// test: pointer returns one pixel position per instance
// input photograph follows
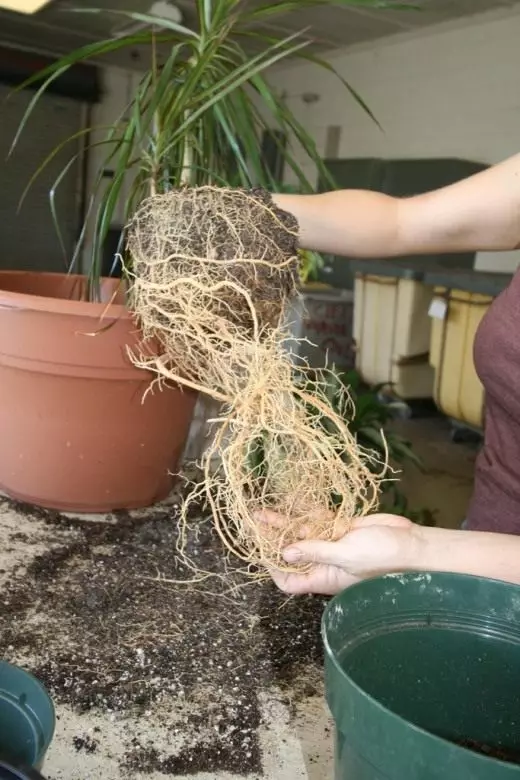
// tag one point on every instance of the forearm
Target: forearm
(476, 214)
(354, 223)
(492, 555)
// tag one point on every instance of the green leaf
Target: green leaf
(50, 157)
(52, 203)
(236, 79)
(325, 65)
(49, 74)
(322, 63)
(209, 100)
(270, 10)
(135, 16)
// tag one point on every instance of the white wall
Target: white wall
(447, 91)
(451, 91)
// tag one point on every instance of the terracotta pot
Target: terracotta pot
(74, 431)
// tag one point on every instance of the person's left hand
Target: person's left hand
(376, 544)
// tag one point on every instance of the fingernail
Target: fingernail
(292, 554)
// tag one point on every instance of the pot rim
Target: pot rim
(386, 715)
(21, 301)
(20, 773)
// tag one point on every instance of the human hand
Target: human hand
(376, 544)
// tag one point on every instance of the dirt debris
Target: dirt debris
(85, 743)
(93, 617)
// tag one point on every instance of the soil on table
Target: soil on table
(94, 619)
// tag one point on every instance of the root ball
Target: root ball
(214, 270)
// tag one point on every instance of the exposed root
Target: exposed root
(214, 270)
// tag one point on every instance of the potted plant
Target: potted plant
(76, 433)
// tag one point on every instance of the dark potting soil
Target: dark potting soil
(107, 635)
(85, 743)
(259, 229)
(499, 753)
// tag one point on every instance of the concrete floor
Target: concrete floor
(446, 486)
(299, 743)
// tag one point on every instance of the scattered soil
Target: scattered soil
(86, 744)
(93, 618)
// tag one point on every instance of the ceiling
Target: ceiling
(54, 30)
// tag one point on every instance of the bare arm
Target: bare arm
(478, 213)
(467, 552)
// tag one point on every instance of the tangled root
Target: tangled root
(214, 270)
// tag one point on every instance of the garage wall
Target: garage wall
(118, 87)
(28, 239)
(451, 92)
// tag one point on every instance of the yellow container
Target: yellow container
(458, 391)
(392, 329)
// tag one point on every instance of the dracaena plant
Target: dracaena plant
(199, 110)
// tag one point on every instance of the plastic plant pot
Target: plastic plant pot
(422, 678)
(8, 772)
(27, 721)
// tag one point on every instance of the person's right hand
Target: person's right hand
(377, 544)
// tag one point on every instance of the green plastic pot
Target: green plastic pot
(418, 669)
(9, 772)
(27, 722)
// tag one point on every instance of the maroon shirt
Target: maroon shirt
(495, 505)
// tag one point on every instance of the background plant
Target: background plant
(370, 421)
(199, 111)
